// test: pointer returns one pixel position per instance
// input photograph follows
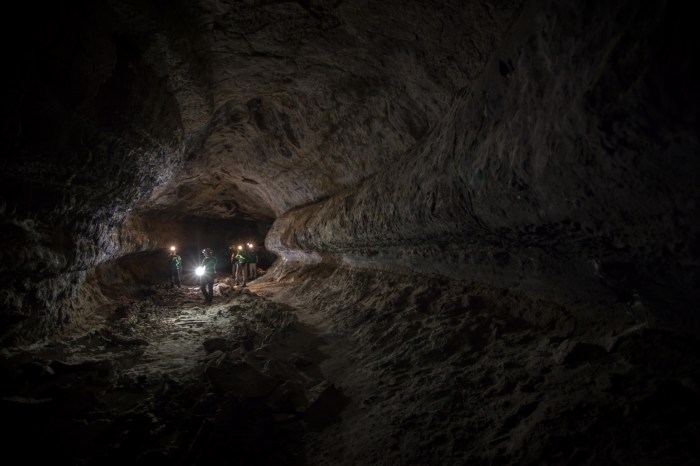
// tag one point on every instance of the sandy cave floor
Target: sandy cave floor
(169, 378)
(409, 373)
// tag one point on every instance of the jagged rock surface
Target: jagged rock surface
(487, 212)
(208, 109)
(571, 165)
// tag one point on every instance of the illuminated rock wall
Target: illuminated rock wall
(570, 167)
(546, 146)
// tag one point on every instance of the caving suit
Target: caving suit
(241, 268)
(252, 259)
(175, 266)
(206, 281)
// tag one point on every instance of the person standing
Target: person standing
(175, 268)
(241, 266)
(234, 264)
(252, 259)
(206, 279)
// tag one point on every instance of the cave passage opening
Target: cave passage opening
(487, 214)
(190, 235)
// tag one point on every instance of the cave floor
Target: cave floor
(302, 374)
(167, 378)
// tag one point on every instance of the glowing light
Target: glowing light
(199, 271)
(172, 248)
(240, 247)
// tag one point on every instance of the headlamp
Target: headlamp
(199, 271)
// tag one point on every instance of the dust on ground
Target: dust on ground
(439, 371)
(169, 379)
(329, 366)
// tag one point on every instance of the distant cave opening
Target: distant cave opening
(189, 235)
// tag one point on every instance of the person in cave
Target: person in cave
(175, 267)
(206, 279)
(252, 259)
(234, 252)
(240, 266)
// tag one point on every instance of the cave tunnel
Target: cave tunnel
(477, 228)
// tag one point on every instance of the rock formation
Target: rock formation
(505, 193)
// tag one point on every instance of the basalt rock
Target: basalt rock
(127, 117)
(485, 212)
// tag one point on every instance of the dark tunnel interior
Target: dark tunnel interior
(470, 232)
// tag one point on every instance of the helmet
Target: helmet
(206, 251)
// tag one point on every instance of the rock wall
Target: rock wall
(570, 166)
(122, 109)
(89, 131)
(371, 131)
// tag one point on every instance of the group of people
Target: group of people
(244, 268)
(244, 264)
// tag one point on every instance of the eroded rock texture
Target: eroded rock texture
(572, 161)
(227, 110)
(478, 203)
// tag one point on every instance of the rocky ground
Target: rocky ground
(368, 368)
(167, 379)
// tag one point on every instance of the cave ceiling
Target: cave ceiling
(290, 102)
(244, 109)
